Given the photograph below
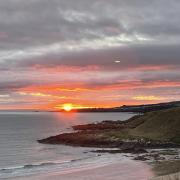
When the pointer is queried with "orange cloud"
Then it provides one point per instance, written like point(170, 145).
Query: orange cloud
point(37, 94)
point(93, 95)
point(153, 67)
point(148, 98)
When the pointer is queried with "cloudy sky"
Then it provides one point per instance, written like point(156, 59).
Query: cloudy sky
point(90, 53)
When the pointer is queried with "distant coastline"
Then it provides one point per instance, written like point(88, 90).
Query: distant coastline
point(143, 108)
point(135, 108)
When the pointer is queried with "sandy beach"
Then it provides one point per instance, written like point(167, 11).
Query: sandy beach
point(127, 170)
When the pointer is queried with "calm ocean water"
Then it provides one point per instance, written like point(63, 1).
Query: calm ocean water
point(21, 155)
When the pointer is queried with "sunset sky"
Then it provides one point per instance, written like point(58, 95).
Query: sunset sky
point(89, 53)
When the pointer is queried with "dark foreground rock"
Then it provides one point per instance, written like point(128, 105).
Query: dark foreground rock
point(134, 150)
point(83, 139)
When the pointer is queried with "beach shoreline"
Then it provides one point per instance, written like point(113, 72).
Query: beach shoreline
point(128, 169)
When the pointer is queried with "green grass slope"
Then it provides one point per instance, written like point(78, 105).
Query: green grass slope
point(160, 125)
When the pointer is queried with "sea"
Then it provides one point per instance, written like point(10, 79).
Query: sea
point(22, 157)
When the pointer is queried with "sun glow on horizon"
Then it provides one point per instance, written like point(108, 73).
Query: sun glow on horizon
point(67, 107)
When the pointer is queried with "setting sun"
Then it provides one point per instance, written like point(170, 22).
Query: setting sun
point(67, 107)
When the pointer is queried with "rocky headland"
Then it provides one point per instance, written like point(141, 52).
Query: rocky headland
point(160, 129)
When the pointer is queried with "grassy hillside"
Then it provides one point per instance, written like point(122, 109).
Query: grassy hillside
point(167, 167)
point(160, 125)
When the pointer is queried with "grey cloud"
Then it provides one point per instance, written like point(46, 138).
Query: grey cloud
point(13, 86)
point(35, 23)
point(32, 23)
point(132, 56)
